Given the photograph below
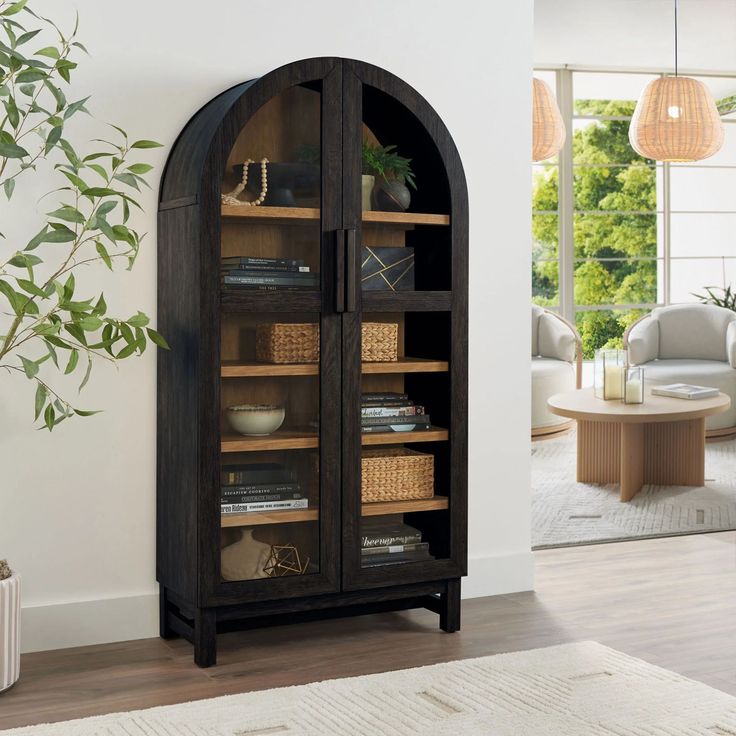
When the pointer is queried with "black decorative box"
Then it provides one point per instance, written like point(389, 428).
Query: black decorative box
point(387, 268)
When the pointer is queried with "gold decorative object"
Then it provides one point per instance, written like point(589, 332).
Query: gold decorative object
point(676, 119)
point(548, 130)
point(284, 560)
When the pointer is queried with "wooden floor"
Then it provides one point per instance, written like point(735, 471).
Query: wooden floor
point(669, 601)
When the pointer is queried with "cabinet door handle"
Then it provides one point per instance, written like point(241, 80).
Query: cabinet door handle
point(339, 270)
point(351, 268)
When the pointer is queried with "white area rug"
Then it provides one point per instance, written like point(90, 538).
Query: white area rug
point(565, 512)
point(582, 689)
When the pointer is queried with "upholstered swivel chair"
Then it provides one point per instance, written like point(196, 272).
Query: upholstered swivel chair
point(557, 362)
point(689, 343)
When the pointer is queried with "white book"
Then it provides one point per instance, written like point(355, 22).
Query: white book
point(685, 391)
point(244, 508)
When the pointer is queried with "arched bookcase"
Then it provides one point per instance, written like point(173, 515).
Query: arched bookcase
point(350, 323)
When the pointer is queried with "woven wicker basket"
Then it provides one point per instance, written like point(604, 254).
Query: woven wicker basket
point(396, 475)
point(299, 343)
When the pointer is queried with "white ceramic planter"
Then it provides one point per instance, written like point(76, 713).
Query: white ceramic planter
point(9, 631)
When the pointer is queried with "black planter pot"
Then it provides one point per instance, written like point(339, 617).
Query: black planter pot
point(391, 196)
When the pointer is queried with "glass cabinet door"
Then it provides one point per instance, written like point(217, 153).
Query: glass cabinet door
point(397, 417)
point(277, 490)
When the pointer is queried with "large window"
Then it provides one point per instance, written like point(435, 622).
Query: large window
point(615, 234)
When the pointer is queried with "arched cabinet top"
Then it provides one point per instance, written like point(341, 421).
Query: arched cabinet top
point(200, 153)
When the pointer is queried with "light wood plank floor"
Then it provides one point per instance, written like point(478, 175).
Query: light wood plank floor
point(669, 601)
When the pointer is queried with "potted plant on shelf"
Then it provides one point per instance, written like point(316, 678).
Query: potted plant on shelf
point(390, 193)
point(47, 327)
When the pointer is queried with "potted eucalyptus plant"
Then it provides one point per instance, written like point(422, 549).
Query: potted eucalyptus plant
point(393, 173)
point(47, 327)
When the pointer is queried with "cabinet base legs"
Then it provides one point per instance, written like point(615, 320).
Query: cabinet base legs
point(165, 631)
point(205, 637)
point(450, 607)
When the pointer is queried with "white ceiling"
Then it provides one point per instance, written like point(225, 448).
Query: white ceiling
point(636, 33)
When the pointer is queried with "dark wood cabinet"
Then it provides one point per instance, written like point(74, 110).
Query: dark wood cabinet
point(282, 559)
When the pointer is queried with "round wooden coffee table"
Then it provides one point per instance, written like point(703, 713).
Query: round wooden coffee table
point(661, 441)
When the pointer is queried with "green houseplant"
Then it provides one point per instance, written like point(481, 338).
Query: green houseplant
point(47, 327)
point(726, 298)
point(394, 173)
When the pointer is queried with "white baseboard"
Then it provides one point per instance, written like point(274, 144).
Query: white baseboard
point(81, 623)
point(498, 575)
point(108, 620)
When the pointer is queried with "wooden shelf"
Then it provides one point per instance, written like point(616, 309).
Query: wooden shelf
point(281, 439)
point(305, 439)
point(436, 503)
point(312, 214)
point(258, 518)
point(233, 369)
point(433, 434)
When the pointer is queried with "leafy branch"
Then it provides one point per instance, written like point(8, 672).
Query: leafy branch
point(44, 314)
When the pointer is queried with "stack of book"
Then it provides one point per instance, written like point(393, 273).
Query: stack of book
point(260, 487)
point(391, 412)
point(389, 543)
point(268, 274)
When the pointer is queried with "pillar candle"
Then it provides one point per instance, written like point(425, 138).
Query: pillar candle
point(634, 393)
point(613, 382)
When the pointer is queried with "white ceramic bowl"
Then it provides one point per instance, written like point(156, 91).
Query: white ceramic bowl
point(255, 420)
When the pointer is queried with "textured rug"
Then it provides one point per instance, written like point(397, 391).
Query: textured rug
point(565, 512)
point(581, 689)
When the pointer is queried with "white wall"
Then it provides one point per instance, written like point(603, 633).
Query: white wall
point(77, 506)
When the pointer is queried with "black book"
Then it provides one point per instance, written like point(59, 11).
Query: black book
point(383, 396)
point(294, 279)
point(393, 559)
point(257, 261)
point(396, 428)
point(395, 549)
point(267, 287)
point(249, 474)
point(381, 534)
point(238, 498)
point(240, 269)
point(373, 421)
point(258, 490)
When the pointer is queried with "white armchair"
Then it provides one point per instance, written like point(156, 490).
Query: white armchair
point(689, 343)
point(557, 362)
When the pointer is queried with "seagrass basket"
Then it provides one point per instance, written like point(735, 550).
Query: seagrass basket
point(396, 475)
point(295, 342)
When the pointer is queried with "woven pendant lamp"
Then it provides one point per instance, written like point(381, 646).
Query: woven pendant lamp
point(676, 119)
point(548, 130)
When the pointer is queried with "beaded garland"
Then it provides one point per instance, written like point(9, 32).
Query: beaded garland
point(232, 197)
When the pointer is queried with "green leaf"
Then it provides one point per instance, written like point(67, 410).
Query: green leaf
point(37, 239)
point(73, 361)
point(68, 213)
point(140, 168)
point(29, 75)
point(24, 260)
point(75, 107)
point(9, 187)
point(15, 8)
point(90, 324)
point(85, 413)
point(146, 144)
point(58, 95)
point(106, 207)
point(127, 351)
point(52, 138)
point(157, 338)
point(87, 374)
point(41, 395)
point(30, 367)
point(138, 320)
point(31, 288)
point(102, 251)
point(11, 150)
point(27, 36)
point(50, 52)
point(101, 307)
point(60, 235)
point(99, 192)
point(15, 299)
point(49, 417)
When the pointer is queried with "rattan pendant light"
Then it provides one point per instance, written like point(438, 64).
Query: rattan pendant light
point(548, 130)
point(676, 119)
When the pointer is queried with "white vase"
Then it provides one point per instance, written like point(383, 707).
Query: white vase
point(9, 631)
point(367, 182)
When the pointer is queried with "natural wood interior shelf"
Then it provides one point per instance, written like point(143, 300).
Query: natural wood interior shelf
point(233, 369)
point(258, 518)
point(306, 214)
point(304, 439)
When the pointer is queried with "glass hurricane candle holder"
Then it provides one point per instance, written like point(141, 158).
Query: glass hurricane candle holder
point(609, 373)
point(634, 385)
